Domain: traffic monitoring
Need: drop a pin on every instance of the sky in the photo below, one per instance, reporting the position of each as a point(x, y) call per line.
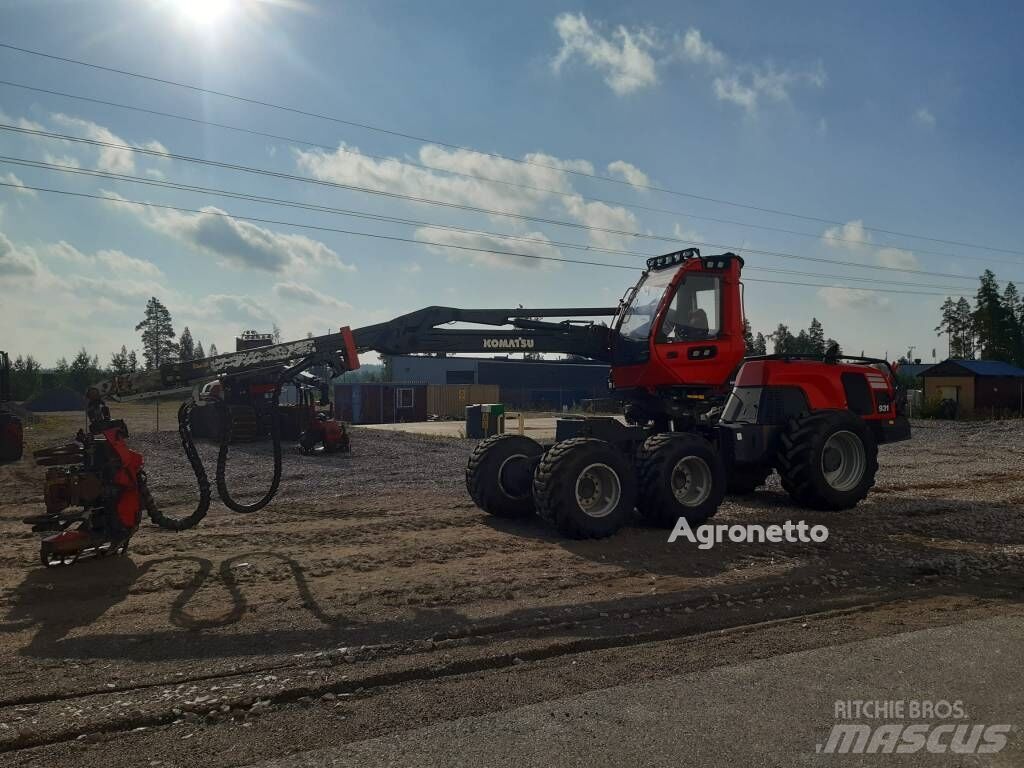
point(800, 135)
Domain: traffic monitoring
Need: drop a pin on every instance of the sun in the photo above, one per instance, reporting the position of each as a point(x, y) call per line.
point(205, 13)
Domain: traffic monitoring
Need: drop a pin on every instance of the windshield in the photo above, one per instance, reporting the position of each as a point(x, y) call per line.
point(637, 319)
point(693, 313)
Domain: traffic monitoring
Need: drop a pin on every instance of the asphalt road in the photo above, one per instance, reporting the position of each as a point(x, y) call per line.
point(773, 712)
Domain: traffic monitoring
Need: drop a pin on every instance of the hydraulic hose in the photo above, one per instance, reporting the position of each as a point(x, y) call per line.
point(222, 455)
point(181, 523)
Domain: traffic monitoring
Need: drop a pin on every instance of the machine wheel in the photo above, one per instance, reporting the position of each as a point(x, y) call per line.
point(681, 475)
point(11, 437)
point(584, 487)
point(828, 460)
point(744, 479)
point(500, 473)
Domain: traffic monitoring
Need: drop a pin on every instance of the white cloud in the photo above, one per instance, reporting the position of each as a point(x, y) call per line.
point(110, 158)
point(19, 185)
point(630, 173)
point(540, 172)
point(16, 262)
point(731, 89)
point(854, 237)
point(122, 265)
point(125, 265)
point(594, 214)
point(303, 294)
point(238, 309)
point(625, 57)
point(896, 258)
point(925, 117)
point(850, 235)
point(412, 268)
point(695, 48)
point(66, 251)
point(68, 160)
point(392, 175)
point(471, 240)
point(851, 298)
point(236, 243)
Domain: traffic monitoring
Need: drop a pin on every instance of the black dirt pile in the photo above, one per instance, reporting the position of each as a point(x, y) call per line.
point(56, 399)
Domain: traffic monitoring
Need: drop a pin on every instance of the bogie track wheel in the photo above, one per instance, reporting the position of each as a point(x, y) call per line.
point(828, 460)
point(681, 475)
point(585, 487)
point(499, 475)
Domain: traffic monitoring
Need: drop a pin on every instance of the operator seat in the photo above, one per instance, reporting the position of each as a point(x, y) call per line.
point(699, 323)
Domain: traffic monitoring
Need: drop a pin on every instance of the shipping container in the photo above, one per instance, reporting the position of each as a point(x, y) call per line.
point(449, 401)
point(374, 403)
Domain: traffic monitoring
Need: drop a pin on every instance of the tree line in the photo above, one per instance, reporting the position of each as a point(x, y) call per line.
point(811, 341)
point(993, 329)
point(160, 344)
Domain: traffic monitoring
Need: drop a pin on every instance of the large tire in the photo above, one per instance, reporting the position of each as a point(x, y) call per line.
point(585, 488)
point(11, 438)
point(828, 460)
point(744, 479)
point(681, 475)
point(499, 475)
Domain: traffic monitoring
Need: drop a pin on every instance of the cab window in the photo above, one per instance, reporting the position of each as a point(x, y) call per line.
point(694, 312)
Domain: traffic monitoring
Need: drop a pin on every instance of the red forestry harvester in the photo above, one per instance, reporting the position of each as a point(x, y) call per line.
point(699, 419)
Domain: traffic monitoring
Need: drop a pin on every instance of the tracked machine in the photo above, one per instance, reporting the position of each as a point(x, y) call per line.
point(698, 418)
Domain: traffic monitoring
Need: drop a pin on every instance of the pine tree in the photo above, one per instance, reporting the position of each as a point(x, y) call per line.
point(213, 350)
point(200, 353)
point(133, 362)
point(83, 371)
point(948, 323)
point(828, 345)
point(25, 377)
point(816, 336)
point(186, 345)
point(760, 344)
point(802, 343)
point(119, 362)
point(158, 345)
point(990, 320)
point(782, 340)
point(748, 337)
point(1013, 331)
point(966, 333)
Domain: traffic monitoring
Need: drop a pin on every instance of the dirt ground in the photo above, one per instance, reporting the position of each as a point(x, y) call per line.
point(373, 597)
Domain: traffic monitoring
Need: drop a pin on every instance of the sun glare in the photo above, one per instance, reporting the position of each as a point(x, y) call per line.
point(205, 13)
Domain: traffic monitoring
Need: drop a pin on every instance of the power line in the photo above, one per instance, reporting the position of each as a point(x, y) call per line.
point(425, 140)
point(429, 243)
point(460, 206)
point(164, 184)
point(476, 177)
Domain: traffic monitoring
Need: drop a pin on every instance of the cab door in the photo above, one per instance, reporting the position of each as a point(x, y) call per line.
point(688, 335)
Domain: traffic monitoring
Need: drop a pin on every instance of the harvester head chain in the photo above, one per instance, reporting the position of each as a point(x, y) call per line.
point(72, 453)
point(69, 547)
point(51, 523)
point(194, 459)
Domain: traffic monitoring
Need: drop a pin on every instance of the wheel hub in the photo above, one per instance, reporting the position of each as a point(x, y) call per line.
point(691, 481)
point(598, 490)
point(515, 475)
point(843, 460)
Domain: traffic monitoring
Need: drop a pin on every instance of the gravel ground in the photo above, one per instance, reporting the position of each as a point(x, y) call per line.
point(373, 597)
